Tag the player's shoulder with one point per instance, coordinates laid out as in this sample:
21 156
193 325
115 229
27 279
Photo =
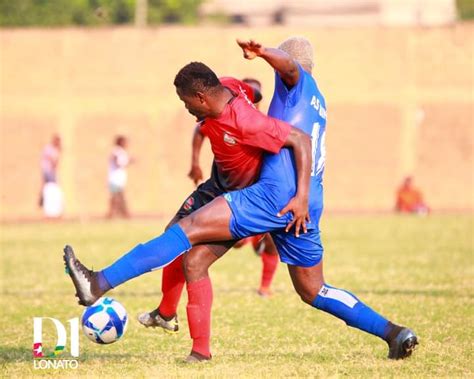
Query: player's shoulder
229 81
237 86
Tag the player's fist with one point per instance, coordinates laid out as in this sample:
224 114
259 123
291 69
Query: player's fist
251 48
195 174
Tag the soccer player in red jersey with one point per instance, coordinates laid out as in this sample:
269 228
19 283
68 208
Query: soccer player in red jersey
239 135
165 315
172 282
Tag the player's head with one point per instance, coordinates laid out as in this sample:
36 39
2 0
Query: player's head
408 181
301 50
56 141
257 87
195 83
254 83
121 141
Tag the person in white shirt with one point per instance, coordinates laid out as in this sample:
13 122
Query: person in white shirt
50 159
51 198
117 178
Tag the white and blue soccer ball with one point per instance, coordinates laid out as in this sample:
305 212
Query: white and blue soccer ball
105 321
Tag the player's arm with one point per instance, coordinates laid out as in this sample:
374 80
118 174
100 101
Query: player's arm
195 173
281 62
271 135
298 205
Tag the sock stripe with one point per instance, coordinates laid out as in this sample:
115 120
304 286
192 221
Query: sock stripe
339 295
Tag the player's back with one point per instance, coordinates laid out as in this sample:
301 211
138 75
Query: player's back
239 137
304 107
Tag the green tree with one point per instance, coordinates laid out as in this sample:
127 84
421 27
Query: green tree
48 13
173 11
465 9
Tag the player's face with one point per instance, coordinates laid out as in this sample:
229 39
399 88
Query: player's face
195 104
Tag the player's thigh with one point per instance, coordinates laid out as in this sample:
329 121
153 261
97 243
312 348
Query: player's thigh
307 281
197 261
254 211
208 223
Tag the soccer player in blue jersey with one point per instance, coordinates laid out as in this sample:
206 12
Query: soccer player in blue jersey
256 209
298 101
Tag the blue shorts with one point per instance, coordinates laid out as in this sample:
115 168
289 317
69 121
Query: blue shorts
305 250
254 211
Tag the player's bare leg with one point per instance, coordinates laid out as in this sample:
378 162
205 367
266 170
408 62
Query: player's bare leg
196 265
209 223
112 206
309 284
122 205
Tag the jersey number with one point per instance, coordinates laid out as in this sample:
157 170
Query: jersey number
316 167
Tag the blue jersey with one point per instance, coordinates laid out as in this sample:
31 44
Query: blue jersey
255 208
302 106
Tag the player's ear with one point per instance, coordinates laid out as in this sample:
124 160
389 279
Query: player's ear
200 95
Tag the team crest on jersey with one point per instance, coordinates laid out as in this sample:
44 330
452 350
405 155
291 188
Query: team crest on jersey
229 139
188 204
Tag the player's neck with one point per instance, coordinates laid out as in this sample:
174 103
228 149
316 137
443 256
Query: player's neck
222 99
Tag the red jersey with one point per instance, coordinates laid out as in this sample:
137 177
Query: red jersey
240 136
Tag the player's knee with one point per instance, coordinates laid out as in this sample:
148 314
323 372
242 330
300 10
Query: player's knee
306 296
194 267
188 223
308 293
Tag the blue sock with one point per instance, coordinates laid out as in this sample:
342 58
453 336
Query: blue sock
351 310
152 255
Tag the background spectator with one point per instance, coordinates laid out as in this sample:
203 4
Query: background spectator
51 197
117 179
410 199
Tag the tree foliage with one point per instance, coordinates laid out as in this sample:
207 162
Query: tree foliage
465 9
52 13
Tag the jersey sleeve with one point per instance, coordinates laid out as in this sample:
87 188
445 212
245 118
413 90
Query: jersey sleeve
262 131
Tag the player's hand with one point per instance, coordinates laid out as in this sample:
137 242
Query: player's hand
251 48
195 174
299 207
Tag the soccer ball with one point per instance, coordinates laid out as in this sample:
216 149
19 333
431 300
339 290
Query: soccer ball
105 321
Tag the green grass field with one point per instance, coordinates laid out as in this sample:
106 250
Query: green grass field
418 271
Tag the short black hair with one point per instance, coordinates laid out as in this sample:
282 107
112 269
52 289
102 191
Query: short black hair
194 77
120 140
252 80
